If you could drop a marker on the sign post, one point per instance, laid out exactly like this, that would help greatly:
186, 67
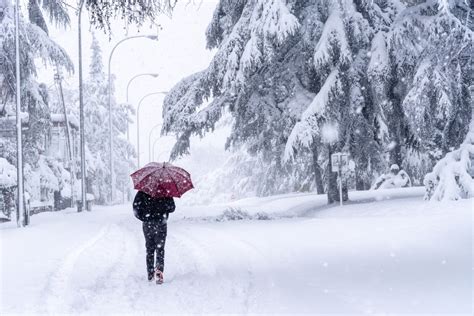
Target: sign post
338, 162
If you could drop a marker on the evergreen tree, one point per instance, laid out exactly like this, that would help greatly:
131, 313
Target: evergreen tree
251, 36
341, 116
427, 83
385, 80
133, 12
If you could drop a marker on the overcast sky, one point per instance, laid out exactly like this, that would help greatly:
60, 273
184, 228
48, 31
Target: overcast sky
179, 52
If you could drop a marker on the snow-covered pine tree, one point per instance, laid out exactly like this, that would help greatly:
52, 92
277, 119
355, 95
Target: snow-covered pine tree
342, 114
426, 104
34, 43
303, 79
133, 12
452, 177
264, 72
251, 76
55, 9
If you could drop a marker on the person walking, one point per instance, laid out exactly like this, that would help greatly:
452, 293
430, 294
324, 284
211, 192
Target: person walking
157, 185
154, 213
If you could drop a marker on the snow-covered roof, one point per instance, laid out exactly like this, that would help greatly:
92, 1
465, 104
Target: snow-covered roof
59, 118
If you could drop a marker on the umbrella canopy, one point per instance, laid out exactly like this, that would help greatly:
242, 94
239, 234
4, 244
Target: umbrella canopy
162, 180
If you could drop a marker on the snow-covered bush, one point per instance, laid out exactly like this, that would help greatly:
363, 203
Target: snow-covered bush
7, 174
7, 188
40, 180
237, 214
452, 177
396, 178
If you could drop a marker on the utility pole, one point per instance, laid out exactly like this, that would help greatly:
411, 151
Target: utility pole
72, 163
81, 114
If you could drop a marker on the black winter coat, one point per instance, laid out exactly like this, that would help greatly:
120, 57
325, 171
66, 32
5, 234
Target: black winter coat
149, 209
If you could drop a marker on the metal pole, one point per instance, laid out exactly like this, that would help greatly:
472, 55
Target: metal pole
111, 160
138, 122
149, 140
21, 212
81, 112
340, 182
154, 75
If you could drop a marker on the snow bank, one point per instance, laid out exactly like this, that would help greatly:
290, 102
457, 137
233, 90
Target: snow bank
285, 205
390, 257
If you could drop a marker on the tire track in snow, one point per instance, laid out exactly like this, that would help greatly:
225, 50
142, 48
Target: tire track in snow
119, 280
59, 286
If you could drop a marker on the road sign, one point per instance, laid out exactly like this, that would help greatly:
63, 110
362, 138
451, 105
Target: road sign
339, 161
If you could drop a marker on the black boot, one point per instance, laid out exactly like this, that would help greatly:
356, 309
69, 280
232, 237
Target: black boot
151, 275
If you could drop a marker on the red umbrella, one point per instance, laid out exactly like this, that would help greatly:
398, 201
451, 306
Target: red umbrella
162, 180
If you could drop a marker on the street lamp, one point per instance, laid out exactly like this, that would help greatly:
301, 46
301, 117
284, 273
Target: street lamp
20, 209
149, 139
111, 161
154, 75
138, 121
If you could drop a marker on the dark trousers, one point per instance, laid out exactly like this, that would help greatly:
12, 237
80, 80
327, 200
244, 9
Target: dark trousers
155, 238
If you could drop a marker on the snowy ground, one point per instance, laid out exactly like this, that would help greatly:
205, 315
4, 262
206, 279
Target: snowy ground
386, 253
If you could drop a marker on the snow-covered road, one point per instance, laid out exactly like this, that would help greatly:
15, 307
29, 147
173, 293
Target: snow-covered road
390, 256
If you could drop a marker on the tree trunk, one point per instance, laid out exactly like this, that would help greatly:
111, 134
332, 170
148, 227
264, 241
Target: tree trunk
360, 184
317, 170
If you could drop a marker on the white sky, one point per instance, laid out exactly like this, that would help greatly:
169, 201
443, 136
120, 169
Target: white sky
179, 52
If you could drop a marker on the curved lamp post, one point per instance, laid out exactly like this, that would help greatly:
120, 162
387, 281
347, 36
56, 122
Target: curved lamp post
138, 121
154, 75
149, 139
111, 160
